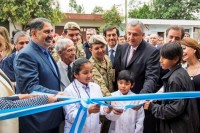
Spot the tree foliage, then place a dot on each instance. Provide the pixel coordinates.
(170, 9)
(77, 8)
(97, 10)
(142, 12)
(22, 11)
(167, 9)
(112, 17)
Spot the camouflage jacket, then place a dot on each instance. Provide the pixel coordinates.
(80, 53)
(103, 74)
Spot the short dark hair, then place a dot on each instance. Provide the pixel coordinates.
(177, 28)
(109, 28)
(38, 23)
(171, 51)
(78, 63)
(126, 75)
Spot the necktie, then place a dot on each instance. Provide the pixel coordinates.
(51, 61)
(132, 51)
(112, 56)
(69, 73)
(87, 90)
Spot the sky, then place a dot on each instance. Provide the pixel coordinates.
(90, 4)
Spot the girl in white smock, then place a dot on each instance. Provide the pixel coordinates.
(81, 87)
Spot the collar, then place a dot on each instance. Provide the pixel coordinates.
(64, 65)
(129, 92)
(133, 48)
(41, 48)
(87, 44)
(115, 48)
(80, 85)
(166, 76)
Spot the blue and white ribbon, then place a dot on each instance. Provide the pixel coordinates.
(81, 116)
(82, 112)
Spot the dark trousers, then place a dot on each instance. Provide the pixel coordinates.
(150, 123)
(105, 124)
(55, 130)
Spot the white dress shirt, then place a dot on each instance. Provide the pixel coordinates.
(109, 50)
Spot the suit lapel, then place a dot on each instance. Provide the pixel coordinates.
(125, 57)
(43, 56)
(117, 53)
(63, 74)
(137, 53)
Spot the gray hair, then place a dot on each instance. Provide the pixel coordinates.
(20, 34)
(61, 44)
(136, 22)
(93, 30)
(38, 23)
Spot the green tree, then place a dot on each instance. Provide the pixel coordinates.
(170, 9)
(142, 12)
(112, 17)
(97, 10)
(167, 9)
(22, 11)
(76, 7)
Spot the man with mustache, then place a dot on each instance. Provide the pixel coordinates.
(36, 70)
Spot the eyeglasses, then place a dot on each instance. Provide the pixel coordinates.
(25, 42)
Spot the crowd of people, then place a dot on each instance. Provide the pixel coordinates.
(104, 65)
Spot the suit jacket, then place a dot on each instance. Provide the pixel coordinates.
(116, 65)
(87, 51)
(7, 66)
(6, 89)
(34, 72)
(63, 74)
(144, 64)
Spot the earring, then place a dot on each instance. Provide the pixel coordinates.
(194, 51)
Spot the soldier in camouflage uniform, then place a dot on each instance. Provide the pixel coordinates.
(102, 65)
(72, 31)
(102, 71)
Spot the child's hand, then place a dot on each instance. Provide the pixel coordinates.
(93, 108)
(107, 109)
(116, 111)
(146, 105)
(136, 108)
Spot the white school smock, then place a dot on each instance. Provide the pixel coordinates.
(130, 121)
(92, 123)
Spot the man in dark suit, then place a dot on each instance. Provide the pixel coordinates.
(20, 40)
(36, 70)
(141, 58)
(86, 46)
(111, 34)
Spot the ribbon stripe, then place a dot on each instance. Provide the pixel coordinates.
(84, 103)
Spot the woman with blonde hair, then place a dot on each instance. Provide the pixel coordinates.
(191, 55)
(8, 45)
(2, 47)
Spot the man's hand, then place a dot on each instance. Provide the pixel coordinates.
(146, 105)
